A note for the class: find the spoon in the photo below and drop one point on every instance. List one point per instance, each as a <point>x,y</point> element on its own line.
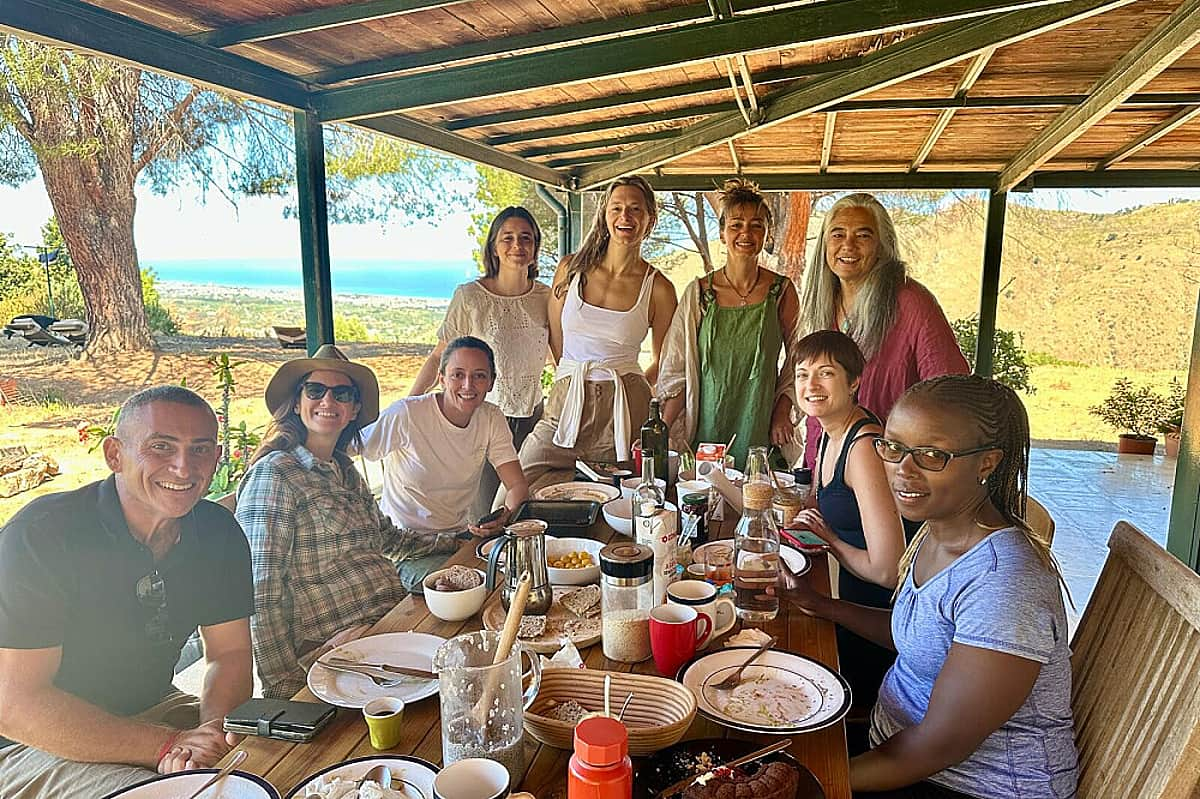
<point>379,774</point>
<point>735,679</point>
<point>222,774</point>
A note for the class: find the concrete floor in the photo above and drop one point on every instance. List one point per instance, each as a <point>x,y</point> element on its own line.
<point>1087,493</point>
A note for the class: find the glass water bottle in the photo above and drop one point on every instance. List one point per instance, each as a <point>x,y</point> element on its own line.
<point>756,545</point>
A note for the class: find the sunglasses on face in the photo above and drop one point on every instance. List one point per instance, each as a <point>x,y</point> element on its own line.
<point>315,391</point>
<point>152,594</point>
<point>930,459</point>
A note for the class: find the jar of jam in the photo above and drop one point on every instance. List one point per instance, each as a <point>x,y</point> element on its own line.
<point>694,517</point>
<point>786,503</point>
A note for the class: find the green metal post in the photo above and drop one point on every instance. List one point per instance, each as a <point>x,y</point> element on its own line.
<point>314,229</point>
<point>989,290</point>
<point>575,219</point>
<point>1183,533</point>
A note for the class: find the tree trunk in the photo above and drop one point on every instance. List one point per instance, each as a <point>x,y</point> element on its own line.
<point>793,237</point>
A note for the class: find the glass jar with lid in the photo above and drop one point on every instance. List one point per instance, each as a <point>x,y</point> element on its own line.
<point>626,599</point>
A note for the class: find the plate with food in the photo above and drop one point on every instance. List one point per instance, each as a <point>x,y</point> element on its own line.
<point>776,776</point>
<point>411,650</point>
<point>412,778</point>
<point>574,616</point>
<point>578,491</point>
<point>781,692</point>
<point>238,785</point>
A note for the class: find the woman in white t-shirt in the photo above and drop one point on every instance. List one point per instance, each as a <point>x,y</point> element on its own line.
<point>606,297</point>
<point>507,309</point>
<point>434,447</point>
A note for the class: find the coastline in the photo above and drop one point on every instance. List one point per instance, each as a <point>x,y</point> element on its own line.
<point>181,290</point>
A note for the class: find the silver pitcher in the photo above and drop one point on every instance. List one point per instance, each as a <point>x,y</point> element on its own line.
<point>524,547</point>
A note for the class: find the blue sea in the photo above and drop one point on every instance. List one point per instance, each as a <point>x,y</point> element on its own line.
<point>424,279</point>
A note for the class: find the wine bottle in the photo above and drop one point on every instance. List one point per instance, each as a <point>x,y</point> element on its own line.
<point>655,442</point>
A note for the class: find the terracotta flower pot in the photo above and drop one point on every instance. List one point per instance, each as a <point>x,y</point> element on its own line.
<point>1131,444</point>
<point>1172,440</point>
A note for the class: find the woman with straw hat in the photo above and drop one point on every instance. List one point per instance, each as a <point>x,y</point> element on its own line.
<point>322,549</point>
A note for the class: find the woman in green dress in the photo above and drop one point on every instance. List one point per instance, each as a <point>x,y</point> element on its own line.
<point>721,373</point>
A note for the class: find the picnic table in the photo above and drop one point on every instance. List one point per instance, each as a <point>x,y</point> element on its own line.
<point>285,764</point>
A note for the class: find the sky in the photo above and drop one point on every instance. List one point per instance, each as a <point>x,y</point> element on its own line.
<point>166,227</point>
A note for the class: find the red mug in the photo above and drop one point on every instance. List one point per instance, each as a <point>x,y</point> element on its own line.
<point>635,452</point>
<point>676,631</point>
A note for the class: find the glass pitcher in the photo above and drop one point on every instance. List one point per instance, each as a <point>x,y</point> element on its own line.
<point>483,705</point>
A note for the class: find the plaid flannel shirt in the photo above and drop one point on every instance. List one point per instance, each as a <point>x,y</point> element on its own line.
<point>324,558</point>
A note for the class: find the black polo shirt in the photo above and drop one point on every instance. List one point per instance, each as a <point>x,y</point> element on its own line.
<point>69,570</point>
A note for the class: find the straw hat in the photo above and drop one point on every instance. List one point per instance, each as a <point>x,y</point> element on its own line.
<point>282,388</point>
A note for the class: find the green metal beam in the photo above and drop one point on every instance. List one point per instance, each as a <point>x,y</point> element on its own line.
<point>314,229</point>
<point>1113,179</point>
<point>580,160</point>
<point>84,26</point>
<point>817,22</point>
<point>649,95</point>
<point>922,53</point>
<point>1170,39</point>
<point>293,24</point>
<point>511,44</point>
<point>451,143</point>
<point>575,215</point>
<point>1183,532</point>
<point>617,141</point>
<point>989,285</point>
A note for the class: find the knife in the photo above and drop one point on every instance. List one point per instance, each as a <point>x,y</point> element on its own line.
<point>680,786</point>
<point>387,668</point>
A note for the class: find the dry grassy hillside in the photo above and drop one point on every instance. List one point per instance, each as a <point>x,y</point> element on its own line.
<point>1100,289</point>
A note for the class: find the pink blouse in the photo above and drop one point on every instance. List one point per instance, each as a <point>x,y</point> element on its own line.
<point>919,346</point>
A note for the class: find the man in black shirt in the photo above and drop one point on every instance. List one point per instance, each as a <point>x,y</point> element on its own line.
<point>99,589</point>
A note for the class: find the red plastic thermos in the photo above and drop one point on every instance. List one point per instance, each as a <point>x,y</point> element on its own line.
<point>600,767</point>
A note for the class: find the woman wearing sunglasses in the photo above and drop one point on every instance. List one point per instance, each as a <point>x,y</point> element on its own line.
<point>322,549</point>
<point>978,702</point>
<point>855,514</point>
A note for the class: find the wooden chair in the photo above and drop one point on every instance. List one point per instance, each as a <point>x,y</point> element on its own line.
<point>1037,517</point>
<point>1136,675</point>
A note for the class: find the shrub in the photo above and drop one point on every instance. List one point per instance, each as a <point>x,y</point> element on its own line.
<point>1172,419</point>
<point>347,328</point>
<point>1010,363</point>
<point>1139,411</point>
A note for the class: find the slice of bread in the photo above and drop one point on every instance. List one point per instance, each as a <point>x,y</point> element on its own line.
<point>581,600</point>
<point>531,626</point>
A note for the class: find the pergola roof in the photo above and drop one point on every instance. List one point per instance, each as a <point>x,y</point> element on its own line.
<point>923,93</point>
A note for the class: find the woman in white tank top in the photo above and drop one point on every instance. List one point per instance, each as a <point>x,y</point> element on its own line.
<point>605,298</point>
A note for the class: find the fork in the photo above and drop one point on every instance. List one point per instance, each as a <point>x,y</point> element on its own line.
<point>382,682</point>
<point>735,679</point>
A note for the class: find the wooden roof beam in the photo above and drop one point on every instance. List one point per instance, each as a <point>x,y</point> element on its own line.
<point>1162,129</point>
<point>785,181</point>
<point>88,27</point>
<point>1173,37</point>
<point>970,75</point>
<point>453,144</point>
<point>826,141</point>
<point>574,147</point>
<point>923,53</point>
<point>306,21</point>
<point>807,24</point>
<point>613,123</point>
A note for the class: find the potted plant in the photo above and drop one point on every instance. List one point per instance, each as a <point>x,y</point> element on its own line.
<point>1171,425</point>
<point>1137,412</point>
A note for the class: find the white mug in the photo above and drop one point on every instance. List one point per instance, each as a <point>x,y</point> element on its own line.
<point>472,778</point>
<point>703,597</point>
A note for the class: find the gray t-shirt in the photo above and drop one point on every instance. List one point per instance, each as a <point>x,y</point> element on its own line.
<point>996,596</point>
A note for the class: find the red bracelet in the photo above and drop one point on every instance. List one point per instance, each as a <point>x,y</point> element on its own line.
<point>166,747</point>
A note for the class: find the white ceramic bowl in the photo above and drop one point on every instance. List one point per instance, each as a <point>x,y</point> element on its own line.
<point>454,605</point>
<point>556,547</point>
<point>619,515</point>
<point>630,484</point>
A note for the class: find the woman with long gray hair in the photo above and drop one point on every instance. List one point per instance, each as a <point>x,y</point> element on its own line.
<point>857,283</point>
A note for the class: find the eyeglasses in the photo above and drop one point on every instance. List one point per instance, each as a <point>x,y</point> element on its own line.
<point>343,394</point>
<point>928,458</point>
<point>152,594</point>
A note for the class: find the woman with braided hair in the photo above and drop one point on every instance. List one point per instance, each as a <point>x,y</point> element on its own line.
<point>978,702</point>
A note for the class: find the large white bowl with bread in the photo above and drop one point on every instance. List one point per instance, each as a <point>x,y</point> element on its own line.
<point>457,604</point>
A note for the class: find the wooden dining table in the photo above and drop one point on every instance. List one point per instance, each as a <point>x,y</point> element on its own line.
<point>285,764</point>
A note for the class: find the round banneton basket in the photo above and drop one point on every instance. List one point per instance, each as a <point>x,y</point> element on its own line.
<point>658,715</point>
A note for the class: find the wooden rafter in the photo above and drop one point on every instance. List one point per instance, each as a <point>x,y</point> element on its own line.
<point>807,24</point>
<point>923,53</point>
<point>306,21</point>
<point>1177,34</point>
<point>970,75</point>
<point>827,140</point>
<point>1177,120</point>
<point>737,162</point>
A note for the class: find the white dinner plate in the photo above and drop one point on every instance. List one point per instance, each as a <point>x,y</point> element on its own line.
<point>416,772</point>
<point>397,649</point>
<point>781,692</point>
<point>581,490</point>
<point>238,785</point>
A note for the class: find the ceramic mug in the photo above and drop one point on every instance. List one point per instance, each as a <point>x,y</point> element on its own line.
<point>472,778</point>
<point>385,720</point>
<point>676,631</point>
<point>630,484</point>
<point>702,596</point>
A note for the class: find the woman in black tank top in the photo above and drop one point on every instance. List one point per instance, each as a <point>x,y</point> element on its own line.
<point>855,512</point>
